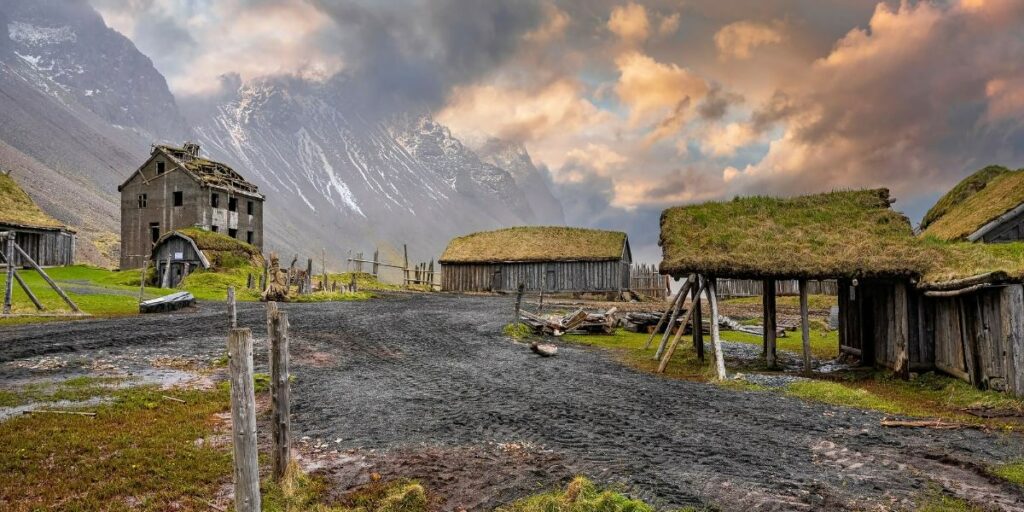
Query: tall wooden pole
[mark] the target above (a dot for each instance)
(165, 282)
(232, 311)
(142, 280)
(716, 342)
(768, 301)
(671, 349)
(664, 316)
(280, 405)
(690, 281)
(9, 283)
(805, 328)
(272, 310)
(405, 267)
(519, 302)
(243, 421)
(698, 325)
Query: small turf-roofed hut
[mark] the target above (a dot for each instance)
(987, 206)
(43, 238)
(553, 259)
(178, 253)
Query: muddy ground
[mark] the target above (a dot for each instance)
(424, 386)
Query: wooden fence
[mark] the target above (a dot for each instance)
(645, 280)
(749, 288)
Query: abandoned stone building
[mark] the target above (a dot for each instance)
(177, 188)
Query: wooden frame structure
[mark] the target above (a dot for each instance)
(11, 248)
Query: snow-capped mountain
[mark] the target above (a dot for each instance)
(80, 105)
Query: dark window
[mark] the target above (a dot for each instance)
(233, 233)
(154, 231)
(142, 200)
(249, 207)
(214, 228)
(179, 198)
(215, 200)
(248, 237)
(159, 167)
(232, 204)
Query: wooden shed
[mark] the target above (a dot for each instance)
(906, 303)
(181, 252)
(48, 242)
(987, 206)
(553, 259)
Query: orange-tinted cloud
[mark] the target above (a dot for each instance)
(738, 40)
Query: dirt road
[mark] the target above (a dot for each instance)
(425, 386)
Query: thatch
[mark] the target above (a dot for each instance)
(18, 209)
(974, 202)
(954, 261)
(837, 234)
(536, 243)
(208, 171)
(220, 250)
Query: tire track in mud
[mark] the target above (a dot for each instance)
(431, 375)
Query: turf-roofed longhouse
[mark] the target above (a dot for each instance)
(908, 303)
(43, 238)
(180, 252)
(987, 206)
(555, 259)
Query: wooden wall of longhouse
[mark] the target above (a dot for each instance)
(561, 276)
(47, 247)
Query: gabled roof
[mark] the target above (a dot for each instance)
(973, 204)
(214, 248)
(837, 234)
(18, 209)
(537, 243)
(204, 170)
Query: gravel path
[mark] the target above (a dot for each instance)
(424, 386)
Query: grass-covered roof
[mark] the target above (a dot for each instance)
(209, 171)
(974, 202)
(536, 243)
(220, 250)
(17, 208)
(837, 234)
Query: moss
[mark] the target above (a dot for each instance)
(517, 330)
(16, 207)
(981, 198)
(961, 192)
(580, 495)
(536, 243)
(1013, 472)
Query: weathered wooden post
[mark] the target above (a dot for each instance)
(232, 311)
(142, 280)
(266, 271)
(698, 326)
(664, 316)
(249, 282)
(185, 266)
(272, 310)
(280, 405)
(352, 286)
(519, 302)
(405, 267)
(39, 270)
(166, 281)
(805, 328)
(690, 281)
(243, 421)
(671, 349)
(768, 302)
(540, 306)
(24, 286)
(376, 262)
(9, 283)
(716, 342)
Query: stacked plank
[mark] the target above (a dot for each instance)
(578, 321)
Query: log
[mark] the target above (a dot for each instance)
(243, 421)
(280, 401)
(9, 282)
(675, 313)
(805, 327)
(46, 277)
(142, 280)
(272, 310)
(671, 309)
(698, 326)
(24, 287)
(716, 340)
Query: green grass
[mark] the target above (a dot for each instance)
(138, 453)
(937, 501)
(824, 344)
(793, 301)
(213, 285)
(333, 296)
(581, 495)
(1013, 472)
(517, 330)
(364, 281)
(73, 389)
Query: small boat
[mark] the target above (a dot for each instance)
(172, 302)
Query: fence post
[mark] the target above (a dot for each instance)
(142, 279)
(279, 393)
(9, 284)
(243, 421)
(405, 268)
(271, 315)
(232, 312)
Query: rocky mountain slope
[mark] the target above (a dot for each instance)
(80, 105)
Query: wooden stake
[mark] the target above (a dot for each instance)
(768, 301)
(9, 283)
(272, 311)
(67, 300)
(519, 302)
(675, 339)
(165, 282)
(805, 327)
(142, 280)
(675, 313)
(232, 311)
(672, 306)
(405, 251)
(280, 404)
(698, 325)
(243, 421)
(25, 288)
(716, 342)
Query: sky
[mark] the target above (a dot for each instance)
(634, 106)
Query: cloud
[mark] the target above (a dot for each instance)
(737, 40)
(923, 95)
(630, 23)
(653, 90)
(597, 157)
(669, 24)
(717, 103)
(722, 141)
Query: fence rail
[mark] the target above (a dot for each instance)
(750, 288)
(645, 280)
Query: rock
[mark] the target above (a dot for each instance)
(544, 349)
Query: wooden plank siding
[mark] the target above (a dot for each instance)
(753, 288)
(181, 252)
(557, 276)
(47, 247)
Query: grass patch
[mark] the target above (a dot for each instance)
(332, 296)
(517, 330)
(630, 347)
(364, 281)
(74, 389)
(824, 344)
(937, 501)
(1013, 472)
(581, 495)
(301, 492)
(18, 206)
(838, 394)
(213, 284)
(536, 243)
(138, 453)
(791, 301)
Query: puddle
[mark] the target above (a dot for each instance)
(10, 412)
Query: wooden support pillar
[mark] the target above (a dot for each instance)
(243, 421)
(308, 285)
(272, 312)
(405, 267)
(673, 305)
(671, 349)
(232, 311)
(376, 262)
(280, 404)
(901, 331)
(683, 292)
(142, 280)
(805, 327)
(28, 259)
(165, 281)
(9, 282)
(698, 325)
(716, 342)
(519, 302)
(770, 329)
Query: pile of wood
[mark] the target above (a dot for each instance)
(578, 321)
(642, 322)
